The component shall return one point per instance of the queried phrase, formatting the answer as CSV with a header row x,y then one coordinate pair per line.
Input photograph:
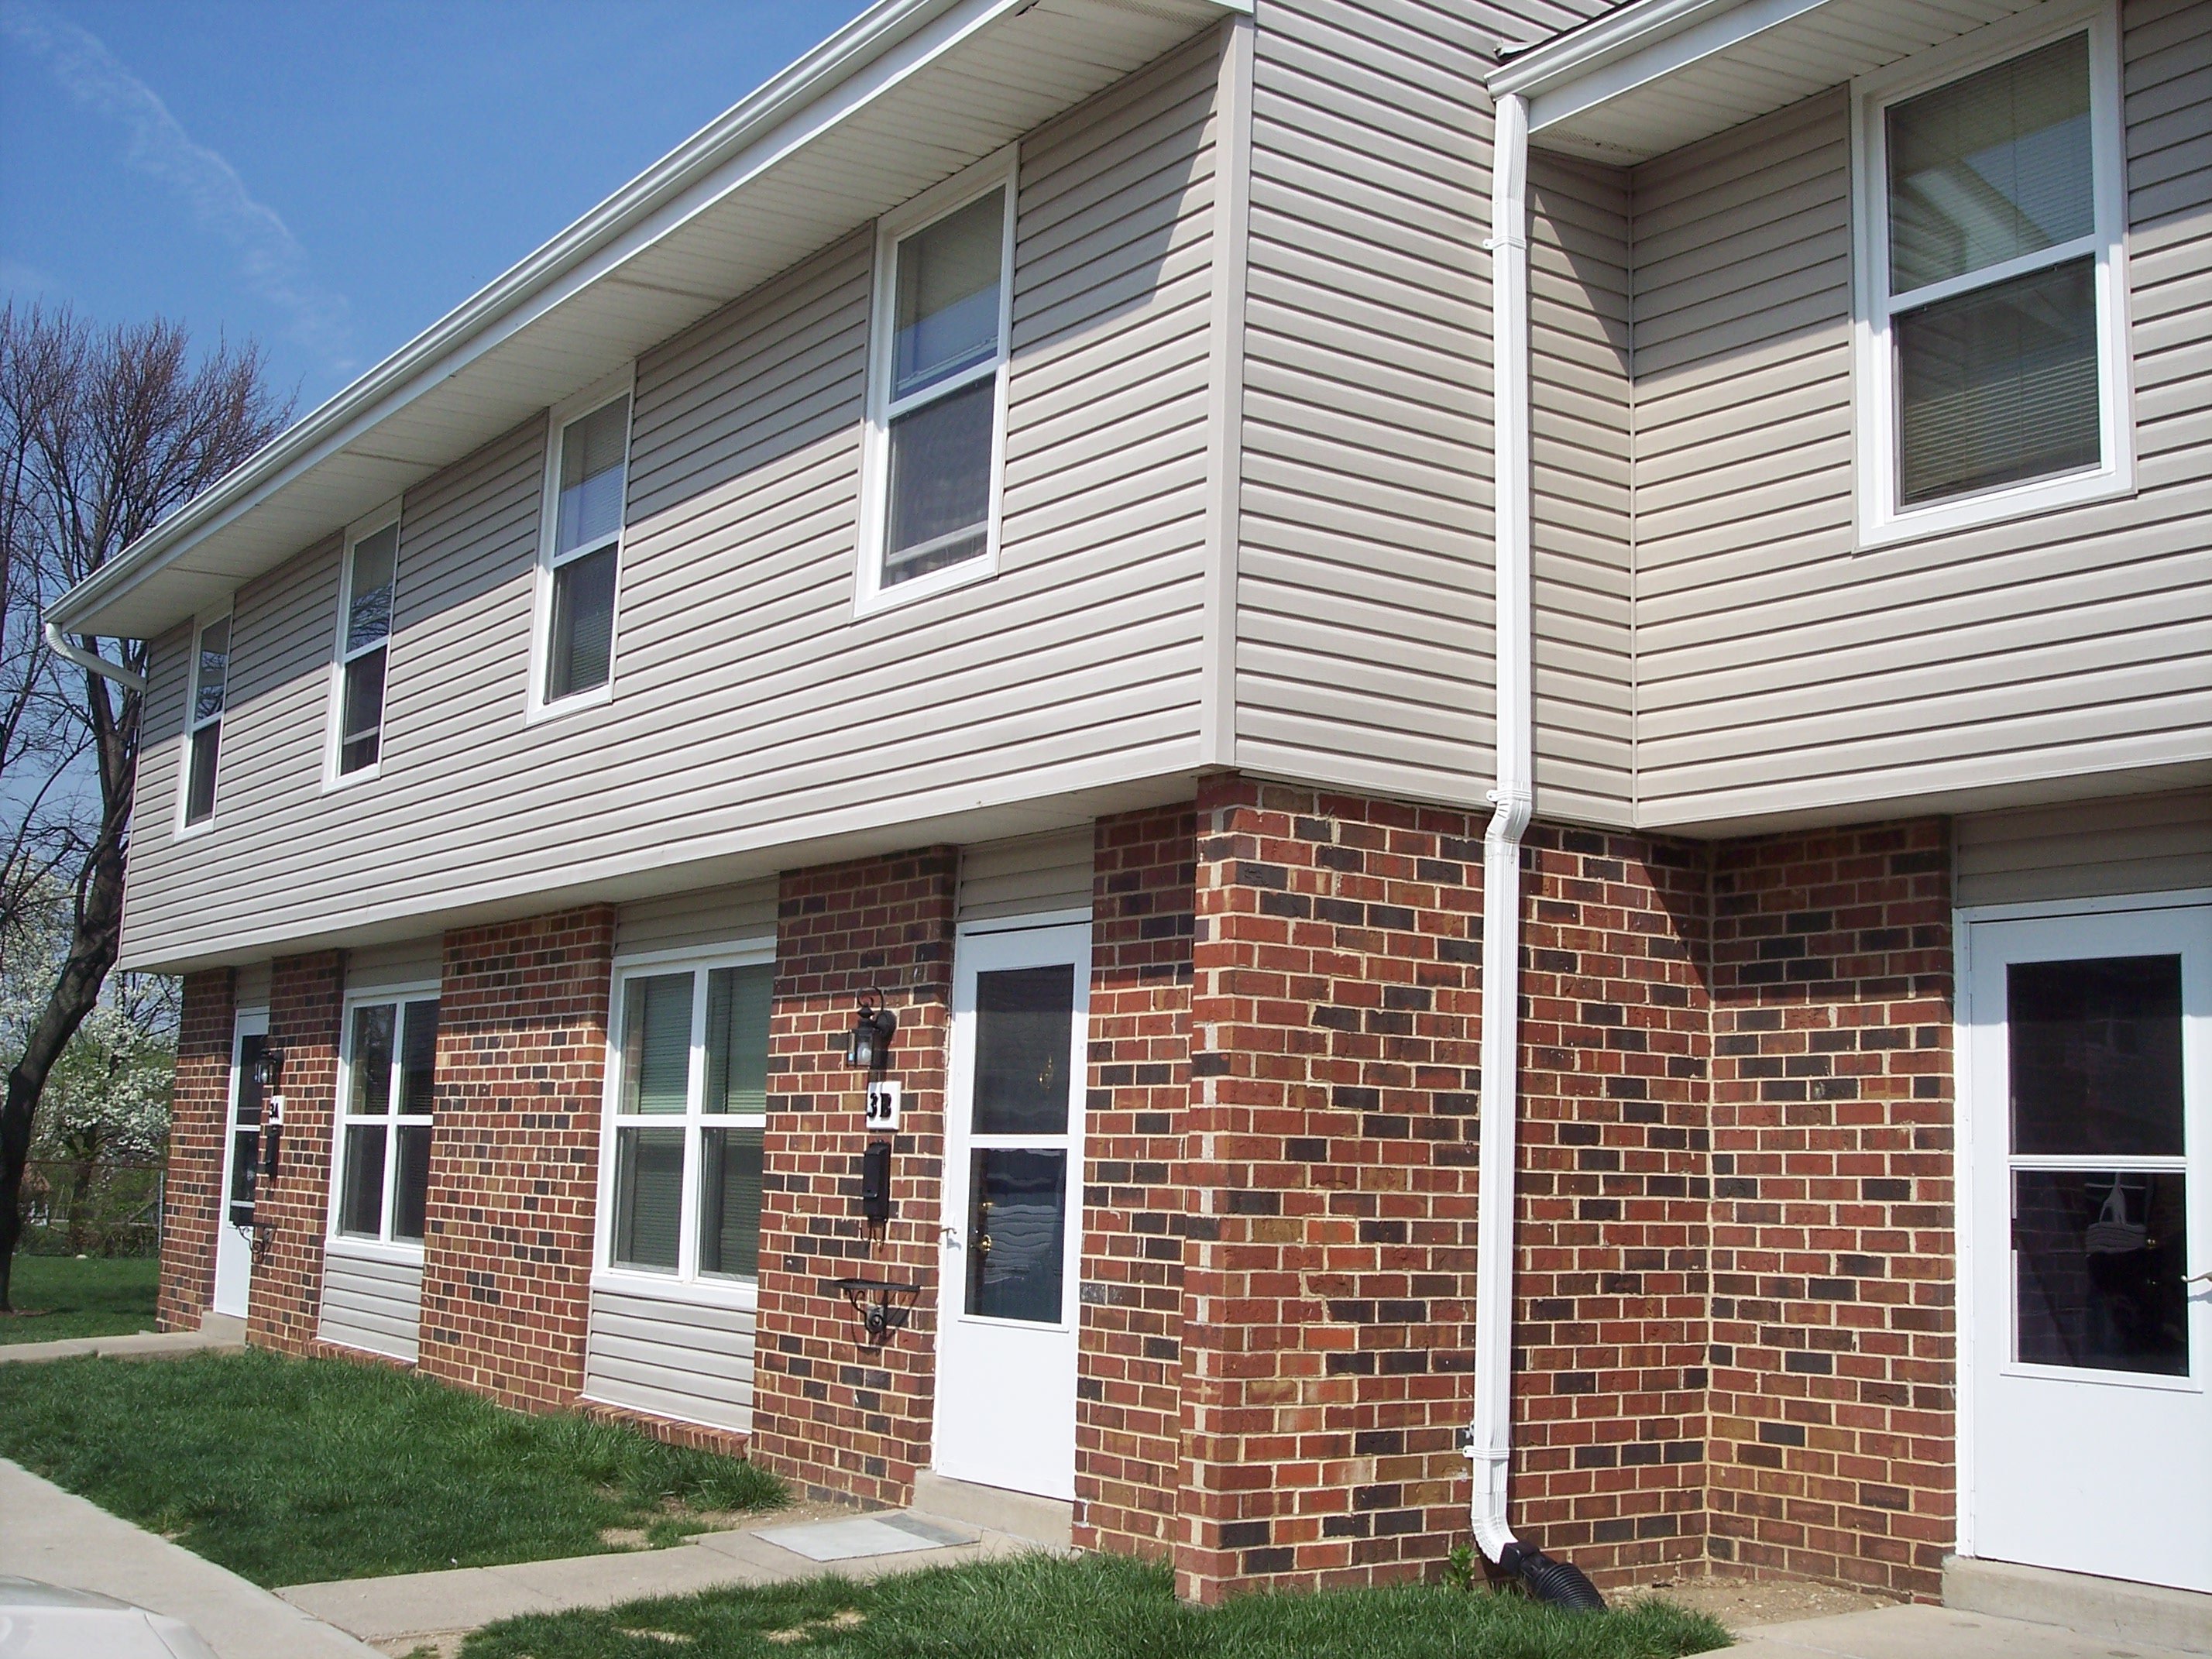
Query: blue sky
x,y
331,177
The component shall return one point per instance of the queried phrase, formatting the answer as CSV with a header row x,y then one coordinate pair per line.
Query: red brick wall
x,y
832,1412
192,1196
1330,1159
305,995
507,1272
1610,1329
1733,1336
1833,1260
1128,1392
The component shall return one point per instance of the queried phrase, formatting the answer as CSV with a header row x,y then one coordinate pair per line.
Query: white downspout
x,y
1490,1439
91,661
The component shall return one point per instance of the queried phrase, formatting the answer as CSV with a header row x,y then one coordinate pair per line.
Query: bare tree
x,y
101,435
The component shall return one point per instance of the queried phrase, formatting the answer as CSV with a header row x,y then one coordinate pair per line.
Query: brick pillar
x,y
191,1193
1330,1156
1128,1428
1834,1261
1610,1331
515,1160
306,998
832,1412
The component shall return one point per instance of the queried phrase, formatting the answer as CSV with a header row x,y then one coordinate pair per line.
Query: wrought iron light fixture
x,y
869,1047
884,1304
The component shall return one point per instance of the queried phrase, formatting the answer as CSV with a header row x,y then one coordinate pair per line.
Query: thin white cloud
x,y
272,262
16,278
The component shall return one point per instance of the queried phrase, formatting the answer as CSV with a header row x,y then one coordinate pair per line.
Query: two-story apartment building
x,y
1513,705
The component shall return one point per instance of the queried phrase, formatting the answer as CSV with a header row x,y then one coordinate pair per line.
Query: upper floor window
x,y
688,1099
364,642
937,391
1993,369
387,1089
586,490
203,719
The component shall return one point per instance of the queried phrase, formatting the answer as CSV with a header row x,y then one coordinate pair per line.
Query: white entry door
x,y
242,1167
2090,1078
1013,1210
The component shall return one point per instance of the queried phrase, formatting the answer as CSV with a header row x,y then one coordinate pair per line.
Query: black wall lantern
x,y
269,1078
869,1047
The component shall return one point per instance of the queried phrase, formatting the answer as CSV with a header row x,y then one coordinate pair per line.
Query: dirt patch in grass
x,y
1745,1603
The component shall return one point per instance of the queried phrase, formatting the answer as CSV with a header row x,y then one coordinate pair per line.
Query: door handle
x,y
2196,1278
949,1237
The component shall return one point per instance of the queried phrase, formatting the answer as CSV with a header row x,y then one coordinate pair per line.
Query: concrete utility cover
x,y
865,1534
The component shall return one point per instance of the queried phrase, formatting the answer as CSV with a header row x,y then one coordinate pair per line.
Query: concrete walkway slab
x,y
1926,1633
866,1535
393,1611
217,1334
58,1538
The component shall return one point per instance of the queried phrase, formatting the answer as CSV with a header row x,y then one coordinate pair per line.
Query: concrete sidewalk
x,y
1926,1633
396,1611
58,1538
218,1334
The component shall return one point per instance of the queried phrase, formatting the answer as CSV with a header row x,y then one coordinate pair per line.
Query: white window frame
x,y
621,383
995,172
384,1246
685,1284
386,517
1880,519
186,825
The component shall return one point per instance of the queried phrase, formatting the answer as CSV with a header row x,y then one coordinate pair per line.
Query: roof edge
x,y
1599,40
869,37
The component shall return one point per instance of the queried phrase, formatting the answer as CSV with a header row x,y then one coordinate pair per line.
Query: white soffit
x,y
1655,74
908,93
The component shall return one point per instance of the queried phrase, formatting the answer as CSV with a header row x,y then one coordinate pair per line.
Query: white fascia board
x,y
1706,31
1628,48
881,48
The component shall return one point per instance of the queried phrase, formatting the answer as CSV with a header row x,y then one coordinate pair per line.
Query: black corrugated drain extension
x,y
1559,1582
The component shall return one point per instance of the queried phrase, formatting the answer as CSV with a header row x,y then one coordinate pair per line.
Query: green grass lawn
x,y
292,1471
1098,1607
59,1296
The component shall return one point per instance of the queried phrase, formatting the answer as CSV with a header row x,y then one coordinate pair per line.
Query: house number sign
x,y
882,1109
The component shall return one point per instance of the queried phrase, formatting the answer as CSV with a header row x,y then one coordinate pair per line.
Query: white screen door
x,y
242,1167
1013,1210
2092,1347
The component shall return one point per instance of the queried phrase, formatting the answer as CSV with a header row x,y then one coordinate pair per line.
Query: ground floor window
x,y
385,1089
687,1104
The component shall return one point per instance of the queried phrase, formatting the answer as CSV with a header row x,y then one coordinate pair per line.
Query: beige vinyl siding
x,y
409,962
1363,584
1364,591
1781,669
370,1303
687,1360
269,775
1026,876
2086,849
251,989
751,710
1582,553
744,915
153,804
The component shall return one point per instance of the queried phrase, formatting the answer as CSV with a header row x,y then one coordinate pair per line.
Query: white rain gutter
x,y
1490,1436
91,661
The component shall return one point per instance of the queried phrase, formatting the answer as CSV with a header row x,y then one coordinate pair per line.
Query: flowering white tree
x,y
106,1099
101,435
